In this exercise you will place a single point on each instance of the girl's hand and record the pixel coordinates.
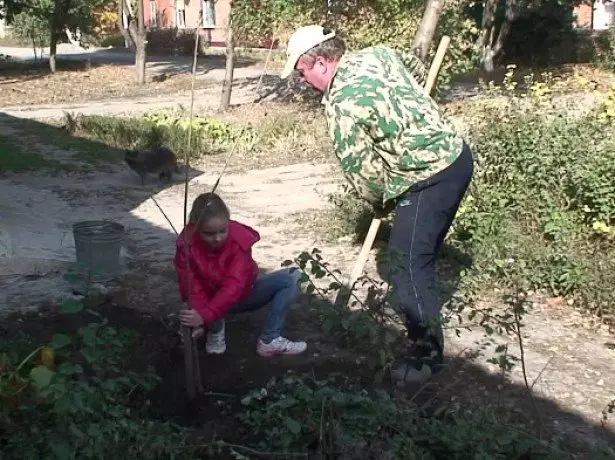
(190, 318)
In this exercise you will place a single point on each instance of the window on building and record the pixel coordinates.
(153, 13)
(209, 13)
(180, 14)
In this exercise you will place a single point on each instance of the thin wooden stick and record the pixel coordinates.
(165, 215)
(190, 351)
(343, 294)
(434, 70)
(519, 333)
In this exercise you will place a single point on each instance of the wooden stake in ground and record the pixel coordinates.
(191, 356)
(343, 295)
(227, 86)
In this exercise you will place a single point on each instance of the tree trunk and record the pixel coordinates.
(227, 86)
(488, 60)
(140, 57)
(427, 28)
(34, 48)
(123, 9)
(489, 45)
(53, 44)
(487, 24)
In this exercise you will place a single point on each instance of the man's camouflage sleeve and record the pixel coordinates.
(415, 66)
(355, 150)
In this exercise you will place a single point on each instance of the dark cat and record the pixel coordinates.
(159, 160)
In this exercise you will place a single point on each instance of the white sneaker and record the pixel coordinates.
(216, 342)
(280, 346)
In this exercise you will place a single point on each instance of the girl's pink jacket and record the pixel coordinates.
(216, 279)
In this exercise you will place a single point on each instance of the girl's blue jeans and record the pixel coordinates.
(280, 288)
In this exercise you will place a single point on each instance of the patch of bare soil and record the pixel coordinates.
(76, 82)
(225, 378)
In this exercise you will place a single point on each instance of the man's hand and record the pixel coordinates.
(382, 212)
(190, 318)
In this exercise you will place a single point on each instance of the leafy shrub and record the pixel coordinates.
(361, 24)
(81, 403)
(349, 215)
(116, 41)
(170, 41)
(292, 414)
(541, 207)
(541, 202)
(30, 29)
(166, 128)
(605, 48)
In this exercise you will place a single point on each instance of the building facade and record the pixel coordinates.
(184, 14)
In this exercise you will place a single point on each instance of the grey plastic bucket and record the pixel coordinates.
(97, 246)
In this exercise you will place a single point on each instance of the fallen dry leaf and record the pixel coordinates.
(75, 84)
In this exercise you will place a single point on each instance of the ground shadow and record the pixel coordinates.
(52, 148)
(13, 71)
(170, 65)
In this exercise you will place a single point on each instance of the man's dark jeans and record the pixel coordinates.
(423, 217)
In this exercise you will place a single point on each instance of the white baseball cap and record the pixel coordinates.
(300, 42)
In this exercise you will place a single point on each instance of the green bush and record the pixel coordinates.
(82, 403)
(116, 41)
(30, 30)
(541, 206)
(349, 215)
(170, 41)
(293, 414)
(604, 42)
(361, 24)
(165, 128)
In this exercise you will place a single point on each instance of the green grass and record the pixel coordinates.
(36, 135)
(83, 149)
(14, 159)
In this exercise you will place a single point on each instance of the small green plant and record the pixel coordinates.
(81, 400)
(210, 128)
(348, 215)
(333, 418)
(166, 128)
(368, 324)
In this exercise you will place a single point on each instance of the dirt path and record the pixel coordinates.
(206, 100)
